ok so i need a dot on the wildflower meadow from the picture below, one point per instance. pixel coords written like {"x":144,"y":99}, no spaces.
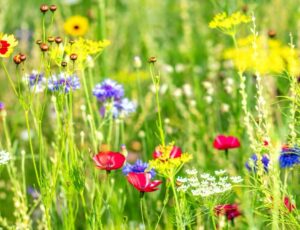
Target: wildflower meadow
{"x":149,"y":115}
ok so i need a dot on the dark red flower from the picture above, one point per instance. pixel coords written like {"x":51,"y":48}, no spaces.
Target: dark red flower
{"x":224,"y":143}
{"x":142,"y":182}
{"x":175,"y":152}
{"x":109,"y":160}
{"x":288,"y":204}
{"x":231,"y":211}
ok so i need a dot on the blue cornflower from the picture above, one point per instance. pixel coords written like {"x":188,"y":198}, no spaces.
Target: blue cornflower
{"x":2,"y":106}
{"x":289,"y":157}
{"x":120,"y":108}
{"x":108,"y":89}
{"x":35,"y":81}
{"x":63,"y":83}
{"x":33,"y":192}
{"x":138,"y":167}
{"x":251,"y":164}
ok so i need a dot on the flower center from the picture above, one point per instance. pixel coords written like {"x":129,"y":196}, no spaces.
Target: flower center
{"x":76,"y":27}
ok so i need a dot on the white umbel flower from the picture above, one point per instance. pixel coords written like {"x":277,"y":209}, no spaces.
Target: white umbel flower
{"x":4,"y":157}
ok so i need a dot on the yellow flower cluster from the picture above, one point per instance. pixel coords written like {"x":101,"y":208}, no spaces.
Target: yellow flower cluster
{"x":271,"y":56}
{"x":227,"y":23}
{"x":167,"y":166}
{"x":84,"y":48}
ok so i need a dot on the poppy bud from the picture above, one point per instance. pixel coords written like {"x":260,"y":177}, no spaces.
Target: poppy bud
{"x":38,"y":42}
{"x":58,"y":40}
{"x":64,"y":64}
{"x":17,"y":59}
{"x":272,"y":33}
{"x":73,"y":57}
{"x":44,"y":47}
{"x":51,"y":39}
{"x":152,"y":60}
{"x":44,"y":8}
{"x":53,"y":8}
{"x":22,"y":57}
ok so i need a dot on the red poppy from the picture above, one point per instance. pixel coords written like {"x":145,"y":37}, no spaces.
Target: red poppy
{"x":224,"y":143}
{"x":288,"y":204}
{"x":231,"y":211}
{"x":109,"y":160}
{"x":175,"y":152}
{"x":142,"y":182}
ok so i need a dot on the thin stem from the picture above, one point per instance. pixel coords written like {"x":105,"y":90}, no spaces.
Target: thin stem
{"x":156,"y":81}
{"x":142,"y":212}
{"x":177,"y":208}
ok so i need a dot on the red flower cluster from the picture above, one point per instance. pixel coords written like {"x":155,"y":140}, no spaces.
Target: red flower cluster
{"x":109,"y":160}
{"x":222,"y":142}
{"x":142,"y":182}
{"x":231,"y":211}
{"x":175,"y":152}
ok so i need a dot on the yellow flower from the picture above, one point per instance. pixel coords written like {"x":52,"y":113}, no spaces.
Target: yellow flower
{"x":7,"y":44}
{"x":76,"y":25}
{"x":272,"y":56}
{"x":168,"y":166}
{"x":84,"y":48}
{"x":227,"y":23}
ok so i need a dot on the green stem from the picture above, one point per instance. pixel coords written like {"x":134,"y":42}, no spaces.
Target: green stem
{"x":156,"y":81}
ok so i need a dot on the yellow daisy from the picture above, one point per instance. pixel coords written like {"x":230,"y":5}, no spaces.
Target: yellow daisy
{"x":76,"y":25}
{"x":7,"y":44}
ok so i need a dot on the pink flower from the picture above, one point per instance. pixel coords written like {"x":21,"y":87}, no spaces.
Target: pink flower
{"x":109,"y":160}
{"x":175,"y":152}
{"x":288,"y":204}
{"x":231,"y":211}
{"x":142,"y":182}
{"x":222,"y":142}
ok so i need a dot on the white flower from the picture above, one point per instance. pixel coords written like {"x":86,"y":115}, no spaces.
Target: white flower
{"x":191,"y":171}
{"x":4,"y":157}
{"x":220,"y":172}
{"x":182,"y":179}
{"x":205,"y":175}
{"x":137,"y":62}
{"x":187,"y":90}
{"x":236,"y":179}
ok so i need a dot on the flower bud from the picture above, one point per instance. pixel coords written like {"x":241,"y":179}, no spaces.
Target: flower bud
{"x":44,"y":47}
{"x":53,"y":8}
{"x":152,"y":60}
{"x":22,"y":57}
{"x":38,"y":42}
{"x":64,"y":64}
{"x":73,"y":57}
{"x":58,"y":40}
{"x":44,"y":8}
{"x":17,"y":59}
{"x":272,"y":33}
{"x":51,"y":39}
